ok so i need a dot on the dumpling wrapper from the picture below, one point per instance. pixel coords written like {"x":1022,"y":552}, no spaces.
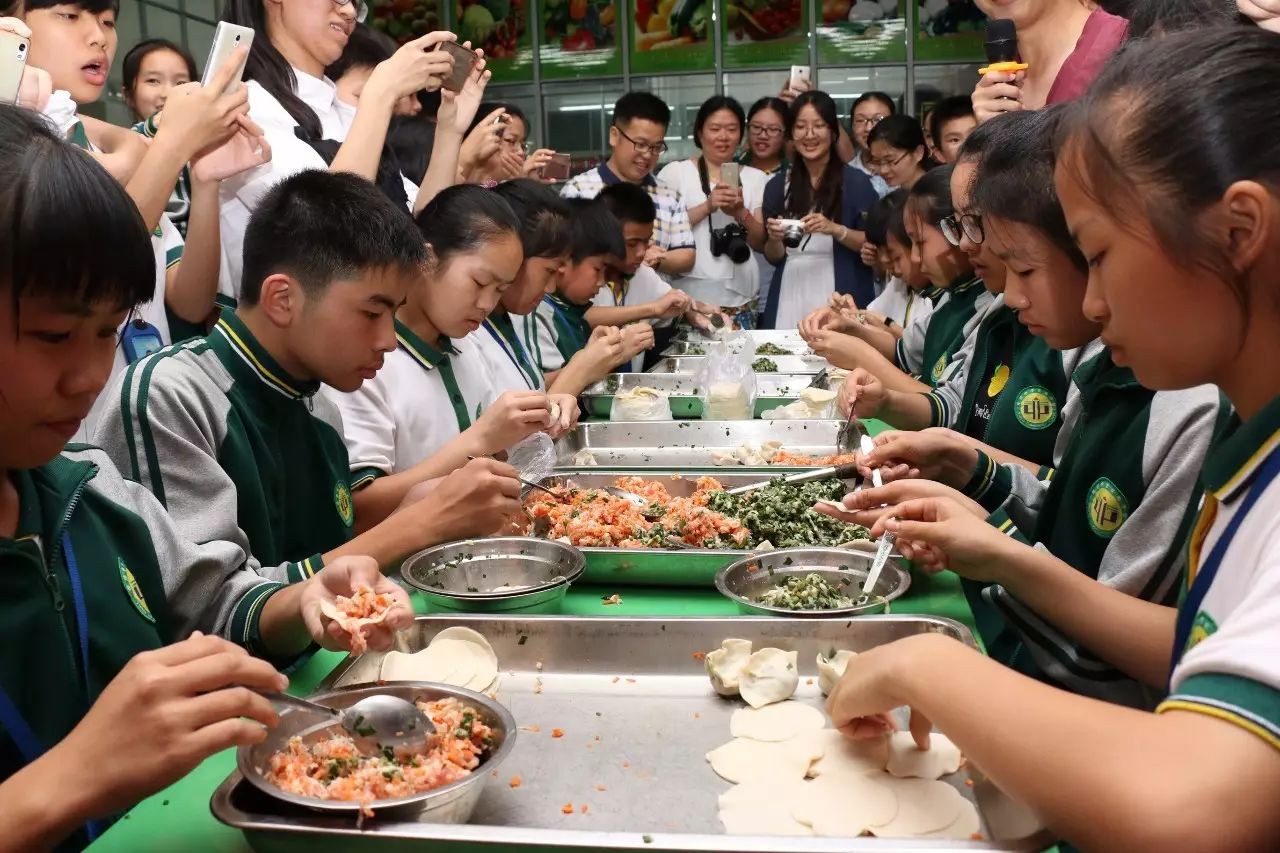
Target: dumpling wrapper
{"x":816,"y":398}
{"x":484,"y":658}
{"x":344,"y":610}
{"x":779,"y":722}
{"x":434,"y":663}
{"x":771,"y":675}
{"x":584,"y":458}
{"x":906,"y":760}
{"x":555,"y":415}
{"x":924,"y":806}
{"x":760,"y":791}
{"x":763,"y":807}
{"x":830,"y":671}
{"x":964,"y":827}
{"x":844,"y":757}
{"x":745,"y":760}
{"x":840,"y":806}
{"x":724,"y":665}
{"x":724,"y":457}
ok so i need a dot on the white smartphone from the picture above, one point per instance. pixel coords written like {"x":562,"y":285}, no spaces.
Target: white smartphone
{"x":730,"y":175}
{"x":800,"y":76}
{"x":13,"y":61}
{"x":226,"y":39}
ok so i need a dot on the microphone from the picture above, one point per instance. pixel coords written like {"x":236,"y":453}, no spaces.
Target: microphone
{"x":1002,"y":47}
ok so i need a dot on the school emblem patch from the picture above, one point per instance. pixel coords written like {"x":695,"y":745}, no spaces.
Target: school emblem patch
{"x":940,"y":366}
{"x":999,"y":379}
{"x":342,"y":500}
{"x":1201,"y":628}
{"x":1107,"y":508}
{"x":1035,"y":408}
{"x":130,"y":584}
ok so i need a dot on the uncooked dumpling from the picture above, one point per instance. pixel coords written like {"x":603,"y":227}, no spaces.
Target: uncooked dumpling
{"x":779,"y":722}
{"x":725,"y":665}
{"x":907,"y":760}
{"x":743,"y":760}
{"x":924,"y":806}
{"x":845,"y":806}
{"x":844,"y":757}
{"x":770,"y":676}
{"x":830,"y":671}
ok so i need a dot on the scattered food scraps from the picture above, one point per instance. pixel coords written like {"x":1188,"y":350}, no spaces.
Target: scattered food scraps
{"x":699,"y":655}
{"x":969,"y":782}
{"x":697,"y":716}
{"x":557,"y":732}
{"x":601,"y":788}
{"x":567,"y":808}
{"x":626,"y":764}
{"x":515,"y":782}
{"x":538,"y":666}
{"x":616,"y":679}
{"x":610,"y":600}
{"x":583,"y":808}
{"x":977,"y":836}
{"x":647,"y":839}
{"x":631,"y":681}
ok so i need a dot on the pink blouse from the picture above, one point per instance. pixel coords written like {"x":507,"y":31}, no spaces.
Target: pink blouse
{"x":1103,"y":33}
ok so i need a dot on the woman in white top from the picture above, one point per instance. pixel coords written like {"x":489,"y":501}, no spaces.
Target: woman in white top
{"x":299,"y":111}
{"x":718,"y":205}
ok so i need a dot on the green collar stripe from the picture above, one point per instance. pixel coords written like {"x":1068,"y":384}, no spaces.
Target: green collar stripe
{"x":244,"y":345}
{"x":1232,"y":462}
{"x":455,"y":397}
{"x":430,"y":358}
{"x":571,"y":326}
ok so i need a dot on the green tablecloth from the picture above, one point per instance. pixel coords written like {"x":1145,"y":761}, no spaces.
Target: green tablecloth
{"x":178,"y":818}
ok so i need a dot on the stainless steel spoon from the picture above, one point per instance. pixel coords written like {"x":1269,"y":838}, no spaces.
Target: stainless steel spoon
{"x":388,"y":720}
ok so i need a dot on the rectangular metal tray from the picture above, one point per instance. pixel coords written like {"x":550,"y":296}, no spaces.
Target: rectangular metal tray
{"x":638,"y":716}
{"x":793,"y":364}
{"x":789,"y":338}
{"x":773,"y":389}
{"x":680,"y":349}
{"x":667,"y":445}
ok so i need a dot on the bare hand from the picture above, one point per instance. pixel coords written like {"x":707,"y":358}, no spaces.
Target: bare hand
{"x":653,"y":255}
{"x":997,"y":92}
{"x":414,"y":68}
{"x":201,"y":118}
{"x":483,"y":144}
{"x":458,"y":109}
{"x":569,"y":414}
{"x":478,"y":499}
{"x":944,"y":533}
{"x":870,"y":254}
{"x":670,"y":305}
{"x":725,"y":198}
{"x":636,"y":338}
{"x":862,"y":393}
{"x":536,"y":161}
{"x":513,"y":417}
{"x":869,"y":690}
{"x":604,"y":351}
{"x":816,"y":223}
{"x":1264,"y":13}
{"x":869,"y":505}
{"x":344,"y":576}
{"x":246,"y":149}
{"x":936,"y":453}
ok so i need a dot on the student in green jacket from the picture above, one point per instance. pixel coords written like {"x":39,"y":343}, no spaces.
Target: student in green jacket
{"x":229,"y":432}
{"x":1123,"y":493}
{"x":95,"y":579}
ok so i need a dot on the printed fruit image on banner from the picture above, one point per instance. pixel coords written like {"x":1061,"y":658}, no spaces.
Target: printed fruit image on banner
{"x":862,"y":31}
{"x":579,"y":38}
{"x":501,"y":29}
{"x":671,"y":35}
{"x":765,"y":32}
{"x":406,"y":20}
{"x":949,"y":29}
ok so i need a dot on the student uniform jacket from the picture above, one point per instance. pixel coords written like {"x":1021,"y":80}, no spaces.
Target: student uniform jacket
{"x":555,"y":331}
{"x":236,"y":449}
{"x":1117,"y":508}
{"x":925,"y":348}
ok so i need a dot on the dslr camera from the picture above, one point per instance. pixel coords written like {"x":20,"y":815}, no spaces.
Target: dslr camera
{"x":793,"y":233}
{"x":731,"y":241}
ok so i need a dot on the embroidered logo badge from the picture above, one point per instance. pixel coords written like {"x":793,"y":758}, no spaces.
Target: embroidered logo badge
{"x":342,"y":500}
{"x":940,"y":366}
{"x":1035,"y":407}
{"x":1201,"y":628}
{"x":134,"y":591}
{"x":1107,"y":508}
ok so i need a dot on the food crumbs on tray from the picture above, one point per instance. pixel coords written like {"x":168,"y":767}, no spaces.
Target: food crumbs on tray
{"x":538,"y":666}
{"x":583,"y":808}
{"x":616,"y":679}
{"x":537,"y":685}
{"x":557,"y":732}
{"x":647,"y":839}
{"x":977,"y":836}
{"x":697,"y":716}
{"x":534,"y":729}
{"x":626,"y":764}
{"x":699,"y":655}
{"x":515,"y":781}
{"x":567,"y":808}
{"x":601,"y":788}
{"x":631,"y":681}
{"x":808,"y":681}
{"x":597,"y":738}
{"x":609,"y":600}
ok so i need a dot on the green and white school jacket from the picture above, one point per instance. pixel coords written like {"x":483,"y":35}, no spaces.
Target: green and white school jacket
{"x":424,"y":396}
{"x":1117,"y":508}
{"x":236,"y":449}
{"x":554,"y":332}
{"x":926,"y":347}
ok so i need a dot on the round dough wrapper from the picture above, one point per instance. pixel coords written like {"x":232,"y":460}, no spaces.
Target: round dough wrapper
{"x":434,"y":663}
{"x":762,"y":791}
{"x":779,"y":722}
{"x":830,"y":671}
{"x":845,"y":806}
{"x":724,"y":665}
{"x":923,"y":806}
{"x":467,"y":635}
{"x":964,"y":827}
{"x":743,"y":760}
{"x":908,"y":761}
{"x":771,"y":675}
{"x":762,"y":818}
{"x":484,"y":660}
{"x":846,"y":757}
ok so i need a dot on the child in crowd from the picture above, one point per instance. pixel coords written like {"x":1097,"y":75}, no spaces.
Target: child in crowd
{"x":90,"y":563}
{"x":953,"y":121}
{"x":366,"y":49}
{"x":229,"y":431}
{"x":898,"y":152}
{"x":1156,"y":237}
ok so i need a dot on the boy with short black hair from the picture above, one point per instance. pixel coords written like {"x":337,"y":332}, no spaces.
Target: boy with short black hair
{"x":953,"y":121}
{"x":228,"y":430}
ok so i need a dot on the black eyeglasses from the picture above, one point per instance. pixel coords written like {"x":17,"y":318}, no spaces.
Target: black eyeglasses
{"x":957,"y":226}
{"x":644,"y":148}
{"x":764,"y":130}
{"x":880,"y":165}
{"x":362,"y":8}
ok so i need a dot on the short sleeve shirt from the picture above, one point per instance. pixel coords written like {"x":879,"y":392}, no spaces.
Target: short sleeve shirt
{"x":670,"y":231}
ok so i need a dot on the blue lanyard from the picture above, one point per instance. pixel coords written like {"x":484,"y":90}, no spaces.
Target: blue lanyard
{"x":15,"y":724}
{"x":1203,"y":580}
{"x":508,"y":349}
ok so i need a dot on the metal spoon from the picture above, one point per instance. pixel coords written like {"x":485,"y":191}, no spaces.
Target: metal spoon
{"x":630,"y":497}
{"x":888,"y":540}
{"x":388,"y":720}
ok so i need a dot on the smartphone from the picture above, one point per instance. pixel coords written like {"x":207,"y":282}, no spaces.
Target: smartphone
{"x":557,"y":168}
{"x":730,"y":175}
{"x":13,"y":61}
{"x":800,"y":76}
{"x":464,"y":59}
{"x":225,"y":40}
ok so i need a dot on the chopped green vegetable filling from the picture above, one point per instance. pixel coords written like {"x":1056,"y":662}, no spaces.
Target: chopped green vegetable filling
{"x":811,"y":592}
{"x":772,"y":349}
{"x":764,"y":365}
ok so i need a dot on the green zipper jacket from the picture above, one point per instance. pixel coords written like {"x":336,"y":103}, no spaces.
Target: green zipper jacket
{"x":236,"y":449}
{"x":925,"y":349}
{"x":1117,"y":509}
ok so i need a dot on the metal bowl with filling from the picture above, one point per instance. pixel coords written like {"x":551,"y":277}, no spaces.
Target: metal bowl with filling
{"x":747,"y":580}
{"x":451,"y":803}
{"x":506,"y":573}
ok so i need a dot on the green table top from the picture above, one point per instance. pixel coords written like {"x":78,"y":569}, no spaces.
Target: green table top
{"x":178,"y":818}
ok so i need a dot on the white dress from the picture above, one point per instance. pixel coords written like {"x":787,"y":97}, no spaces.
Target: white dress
{"x":808,"y":280}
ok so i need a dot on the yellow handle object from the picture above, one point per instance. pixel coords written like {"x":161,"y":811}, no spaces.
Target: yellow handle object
{"x":1003,"y":68}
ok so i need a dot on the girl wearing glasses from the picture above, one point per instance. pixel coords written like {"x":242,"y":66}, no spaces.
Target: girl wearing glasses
{"x":869,"y":109}
{"x":898,"y":152}
{"x":766,"y":136}
{"x":829,"y":199}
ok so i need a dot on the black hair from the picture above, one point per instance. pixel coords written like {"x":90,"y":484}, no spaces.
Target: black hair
{"x":318,"y":226}
{"x":366,"y":48}
{"x":930,"y":197}
{"x":463,"y":218}
{"x":411,"y":139}
{"x":132,"y":64}
{"x":268,"y":66}
{"x":94,"y":7}
{"x":488,"y":108}
{"x":977,"y":142}
{"x":899,"y":131}
{"x":896,"y":227}
{"x":596,"y":232}
{"x":774,"y":103}
{"x":713,"y":105}
{"x":630,"y":203}
{"x":1162,"y":17}
{"x":644,"y":105}
{"x":52,"y":195}
{"x":1204,"y":96}
{"x":543,"y":216}
{"x":876,"y":226}
{"x":801,"y":196}
{"x":882,"y":97}
{"x":949,"y":109}
{"x":1014,"y":180}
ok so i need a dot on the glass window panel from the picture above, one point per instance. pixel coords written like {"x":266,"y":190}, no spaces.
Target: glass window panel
{"x":199,"y":39}
{"x":521,"y":96}
{"x":684,"y":94}
{"x":844,"y":85}
{"x":578,"y":115}
{"x":162,"y":23}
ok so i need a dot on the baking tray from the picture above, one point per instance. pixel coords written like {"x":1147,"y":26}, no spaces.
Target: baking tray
{"x":642,"y":446}
{"x":695,"y":567}
{"x":789,"y":338}
{"x":638,"y":716}
{"x":772,"y":389}
{"x":681,"y":348}
{"x":793,"y":364}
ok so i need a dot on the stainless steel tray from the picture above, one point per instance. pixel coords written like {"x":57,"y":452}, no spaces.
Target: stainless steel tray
{"x":789,"y":338}
{"x":773,"y":390}
{"x":637,"y":714}
{"x":793,"y":364}
{"x":655,"y":446}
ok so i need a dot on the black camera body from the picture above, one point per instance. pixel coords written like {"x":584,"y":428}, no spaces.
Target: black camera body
{"x":731,"y":241}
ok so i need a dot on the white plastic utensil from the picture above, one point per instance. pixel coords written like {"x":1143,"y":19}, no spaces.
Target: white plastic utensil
{"x":888,"y":539}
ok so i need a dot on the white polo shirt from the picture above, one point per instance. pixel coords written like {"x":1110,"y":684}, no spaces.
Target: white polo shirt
{"x":513,"y":369}
{"x":420,"y":399}
{"x":645,"y":286}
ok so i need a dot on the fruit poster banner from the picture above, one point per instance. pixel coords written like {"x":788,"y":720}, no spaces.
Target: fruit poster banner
{"x":501,"y":29}
{"x":406,"y":20}
{"x":949,"y":30}
{"x":671,"y":35}
{"x":579,"y":39}
{"x":765,"y":33}
{"x":862,"y":31}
